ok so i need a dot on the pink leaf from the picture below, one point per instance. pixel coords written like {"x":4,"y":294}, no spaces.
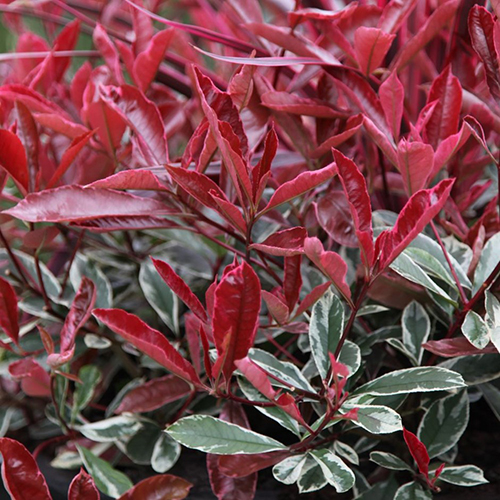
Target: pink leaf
{"x":13,"y":159}
{"x":74,"y":203}
{"x":179,"y":287}
{"x":60,"y":124}
{"x":108,"y":51}
{"x":35,"y":381}
{"x":149,"y":341}
{"x":83,"y":487}
{"x":236,"y":317}
{"x":8,"y":311}
{"x":356,"y":192}
{"x":451,"y":348}
{"x":421,"y":208}
{"x":371,"y":46}
{"x":139,"y":179}
{"x":278,"y":309}
{"x":21,"y":476}
{"x":418,"y":452}
{"x":392,"y":96}
{"x":154,"y":394}
{"x":300,"y":185}
{"x":415,"y":162}
{"x":256,"y":376}
{"x":286,"y":243}
{"x":161,"y":486}
{"x":66,"y":40}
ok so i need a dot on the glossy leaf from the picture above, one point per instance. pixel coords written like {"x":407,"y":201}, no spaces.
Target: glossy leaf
{"x":389,"y":461}
{"x":166,"y":452}
{"x":89,"y":376}
{"x":286,"y":243}
{"x":35,"y":381}
{"x":416,"y":329}
{"x":463,"y":475}
{"x":140,"y":179}
{"x":392,"y":95}
{"x":335,"y":470}
{"x":242,"y":465}
{"x":375,"y":418}
{"x":83,"y":486}
{"x":165,"y":486}
{"x":371,"y":45}
{"x":13,"y":158}
{"x":418,"y":451}
{"x":415,"y":163}
{"x":289,"y":470}
{"x":8,"y":311}
{"x":490,"y":257}
{"x":475,"y":330}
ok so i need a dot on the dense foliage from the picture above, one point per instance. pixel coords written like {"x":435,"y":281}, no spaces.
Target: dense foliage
{"x":213,"y":209}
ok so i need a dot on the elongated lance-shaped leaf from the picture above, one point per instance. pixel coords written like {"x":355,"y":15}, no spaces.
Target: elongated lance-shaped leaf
{"x":418,"y":452}
{"x":416,"y":329}
{"x":211,"y":435}
{"x":8,"y":310}
{"x":490,"y":257}
{"x":13,"y":159}
{"x":335,"y":470}
{"x":392,"y":96}
{"x":493,"y":318}
{"x":389,"y":461}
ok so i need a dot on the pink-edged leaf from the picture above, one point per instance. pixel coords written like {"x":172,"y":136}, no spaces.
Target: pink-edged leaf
{"x":256,"y":376}
{"x":13,"y":159}
{"x":355,"y":189}
{"x":481,"y":31}
{"x":8,"y":311}
{"x":179,"y":287}
{"x":83,"y":488}
{"x":330,"y":263}
{"x":137,"y":179}
{"x":446,"y":91}
{"x":418,"y":452}
{"x":143,"y":117}
{"x":149,"y":341}
{"x":292,"y":280}
{"x":236,"y":317}
{"x":285,"y":243}
{"x":132,"y":223}
{"x":278,"y":309}
{"x":60,"y":124}
{"x":77,"y":144}
{"x":312,"y":297}
{"x":459,"y":346}
{"x":108,"y":51}
{"x":290,"y":103}
{"x":20,"y":473}
{"x":147,"y":63}
{"x":415,"y":162}
{"x":381,"y":140}
{"x":35,"y":381}
{"x":159,"y":487}
{"x":242,"y":465}
{"x":74,"y":203}
{"x":300,"y":185}
{"x":353,"y":124}
{"x":334,"y":216}
{"x":420,"y":209}
{"x":154,"y":394}
{"x":34,"y":101}
{"x":371,"y":46}
{"x":392,"y":95}
{"x":230,"y":212}
{"x":432,"y":26}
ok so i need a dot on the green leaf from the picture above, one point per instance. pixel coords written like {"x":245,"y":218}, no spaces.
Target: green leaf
{"x":476,"y":369}
{"x":420,"y":379}
{"x":288,"y":471}
{"x":385,"y":490}
{"x":444,"y":423}
{"x":412,"y":491}
{"x":475,"y":330}
{"x":90,"y":376}
{"x":166,"y":452}
{"x":493,"y":318}
{"x":285,"y":371}
{"x":83,"y":266}
{"x":140,"y":446}
{"x":327,"y":324}
{"x":336,"y":472}
{"x":111,"y":429}
{"x":209,"y":434}
{"x":398,"y":344}
{"x":492,"y":396}
{"x":311,"y":476}
{"x":490,"y":256}
{"x":350,"y":355}
{"x":389,"y":461}
{"x":110,"y":481}
{"x":463,"y":475}
{"x":371,"y":309}
{"x":416,"y":327}
{"x":375,"y":419}
{"x":431,"y":265}
{"x":346,"y":451}
{"x":159,"y":295}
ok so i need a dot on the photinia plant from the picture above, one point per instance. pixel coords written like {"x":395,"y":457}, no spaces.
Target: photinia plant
{"x":266,"y":231}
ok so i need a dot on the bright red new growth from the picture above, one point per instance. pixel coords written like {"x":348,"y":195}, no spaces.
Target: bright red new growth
{"x":418,"y":452}
{"x":83,"y":487}
{"x":164,"y":486}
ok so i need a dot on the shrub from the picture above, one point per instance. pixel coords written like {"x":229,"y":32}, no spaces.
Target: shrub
{"x":211,"y":207}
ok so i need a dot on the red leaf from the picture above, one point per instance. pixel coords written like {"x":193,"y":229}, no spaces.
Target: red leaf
{"x":230,"y":212}
{"x":28,"y":133}
{"x":108,"y":51}
{"x":74,"y":203}
{"x":149,"y":341}
{"x":131,"y":223}
{"x":31,"y":99}
{"x":143,"y":28}
{"x":60,"y":124}
{"x":161,"y":486}
{"x":392,"y":95}
{"x":154,"y":394}
{"x":330,"y":263}
{"x":334,"y":216}
{"x":147,"y":63}
{"x":139,"y":179}
{"x":451,"y":348}
{"x":301,"y":184}
{"x":66,"y":40}
{"x":421,"y":208}
{"x":256,"y":376}
{"x":292,"y":280}
{"x":143,"y":117}
{"x":355,"y":189}
{"x":418,"y":452}
{"x":35,"y":381}
{"x":371,"y":45}
{"x":278,"y":309}
{"x":83,"y":488}
{"x":236,"y":317}
{"x":394,"y":14}
{"x":179,"y":287}
{"x":8,"y":311}
{"x":77,"y":144}
{"x":287,"y":242}
{"x":415,"y":162}
{"x":13,"y":159}
{"x":447,"y":92}
{"x":312,"y":297}
{"x":242,"y":465}
{"x":262,"y":171}
{"x":20,"y":473}
{"x":79,"y":313}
